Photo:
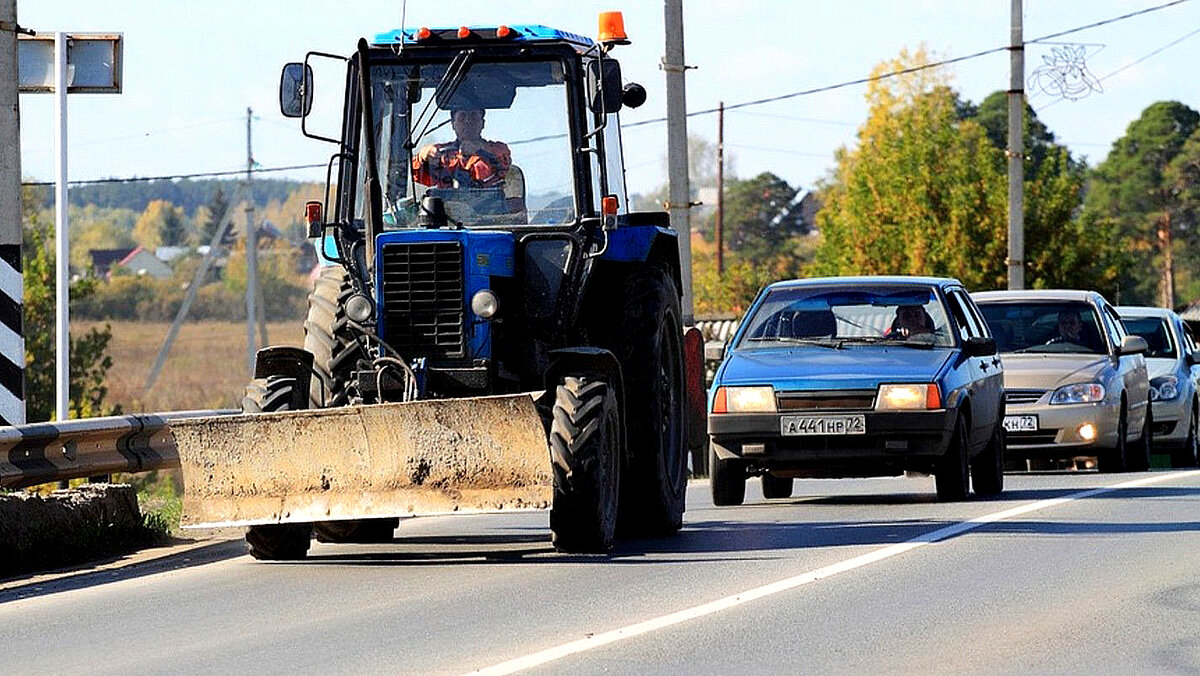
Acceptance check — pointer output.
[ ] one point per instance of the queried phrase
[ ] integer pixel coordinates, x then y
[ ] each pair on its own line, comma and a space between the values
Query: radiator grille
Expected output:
1023, 396
853, 400
423, 299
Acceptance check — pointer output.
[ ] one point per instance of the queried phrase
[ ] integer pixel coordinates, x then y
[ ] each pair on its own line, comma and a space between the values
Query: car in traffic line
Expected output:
1075, 381
1171, 363
858, 377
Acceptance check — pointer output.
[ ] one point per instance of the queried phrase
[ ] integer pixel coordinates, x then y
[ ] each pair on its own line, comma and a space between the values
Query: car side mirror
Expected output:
1192, 358
714, 351
296, 90
1134, 345
981, 347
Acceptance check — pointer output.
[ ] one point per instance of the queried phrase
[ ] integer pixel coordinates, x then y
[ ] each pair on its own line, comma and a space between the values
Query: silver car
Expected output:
1171, 360
1075, 381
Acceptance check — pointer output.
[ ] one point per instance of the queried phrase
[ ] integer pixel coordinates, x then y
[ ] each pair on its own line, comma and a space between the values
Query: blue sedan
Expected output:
858, 377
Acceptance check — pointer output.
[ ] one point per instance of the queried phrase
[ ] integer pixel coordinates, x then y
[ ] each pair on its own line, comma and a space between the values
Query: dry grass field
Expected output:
206, 367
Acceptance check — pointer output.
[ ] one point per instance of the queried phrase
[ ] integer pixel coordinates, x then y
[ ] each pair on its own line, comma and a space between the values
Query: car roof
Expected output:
1037, 294
1144, 311
867, 279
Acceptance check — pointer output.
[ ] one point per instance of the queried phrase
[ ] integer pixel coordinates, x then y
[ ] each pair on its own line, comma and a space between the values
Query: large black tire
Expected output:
1186, 455
585, 434
727, 478
286, 541
647, 338
950, 475
774, 487
987, 468
1111, 460
335, 355
1138, 458
326, 335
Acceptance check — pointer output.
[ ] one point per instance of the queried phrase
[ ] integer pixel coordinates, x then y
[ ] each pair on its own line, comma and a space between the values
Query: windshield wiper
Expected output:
455, 73
820, 342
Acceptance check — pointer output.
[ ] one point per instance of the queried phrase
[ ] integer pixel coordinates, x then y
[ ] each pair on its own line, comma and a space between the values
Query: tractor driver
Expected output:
470, 161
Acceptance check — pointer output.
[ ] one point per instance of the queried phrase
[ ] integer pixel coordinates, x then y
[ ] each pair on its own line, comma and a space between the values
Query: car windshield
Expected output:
490, 139
1049, 327
1156, 332
839, 316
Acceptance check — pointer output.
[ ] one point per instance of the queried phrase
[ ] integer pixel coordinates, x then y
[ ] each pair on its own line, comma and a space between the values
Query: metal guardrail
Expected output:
41, 453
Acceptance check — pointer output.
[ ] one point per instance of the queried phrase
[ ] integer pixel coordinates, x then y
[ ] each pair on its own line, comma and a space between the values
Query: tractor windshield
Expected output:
490, 139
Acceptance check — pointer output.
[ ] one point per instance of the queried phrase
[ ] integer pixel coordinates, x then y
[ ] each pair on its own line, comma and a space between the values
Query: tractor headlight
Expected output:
359, 308
484, 304
1164, 388
1079, 393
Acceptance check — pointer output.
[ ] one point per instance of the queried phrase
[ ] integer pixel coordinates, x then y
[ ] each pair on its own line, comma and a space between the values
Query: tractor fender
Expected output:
651, 244
588, 361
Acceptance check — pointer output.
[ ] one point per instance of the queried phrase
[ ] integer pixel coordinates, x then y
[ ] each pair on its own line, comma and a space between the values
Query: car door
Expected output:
1188, 347
1131, 370
986, 372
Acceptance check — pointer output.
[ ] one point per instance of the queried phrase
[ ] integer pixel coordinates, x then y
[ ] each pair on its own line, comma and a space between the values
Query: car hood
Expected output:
1048, 371
821, 368
1161, 366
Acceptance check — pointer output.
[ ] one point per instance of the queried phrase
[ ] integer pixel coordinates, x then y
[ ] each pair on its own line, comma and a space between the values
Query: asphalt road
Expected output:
1065, 573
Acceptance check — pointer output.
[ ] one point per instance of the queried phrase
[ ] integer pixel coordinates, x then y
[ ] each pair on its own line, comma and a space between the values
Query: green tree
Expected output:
758, 221
919, 194
1130, 194
89, 359
1183, 180
161, 224
218, 204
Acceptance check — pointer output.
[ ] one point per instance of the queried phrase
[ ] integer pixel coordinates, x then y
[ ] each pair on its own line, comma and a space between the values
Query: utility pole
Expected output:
720, 227
251, 253
12, 341
1016, 151
679, 194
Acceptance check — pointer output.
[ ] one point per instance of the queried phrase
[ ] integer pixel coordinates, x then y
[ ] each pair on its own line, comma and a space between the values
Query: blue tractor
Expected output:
477, 240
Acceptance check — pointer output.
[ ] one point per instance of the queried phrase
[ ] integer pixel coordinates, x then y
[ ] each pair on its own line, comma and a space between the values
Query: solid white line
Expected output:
597, 640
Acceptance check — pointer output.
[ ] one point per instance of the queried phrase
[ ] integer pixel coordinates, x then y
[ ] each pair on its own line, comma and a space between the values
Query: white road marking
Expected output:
594, 641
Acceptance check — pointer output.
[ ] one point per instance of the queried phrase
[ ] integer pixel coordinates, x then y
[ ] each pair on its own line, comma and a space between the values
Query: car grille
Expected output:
1023, 396
1031, 438
422, 299
846, 400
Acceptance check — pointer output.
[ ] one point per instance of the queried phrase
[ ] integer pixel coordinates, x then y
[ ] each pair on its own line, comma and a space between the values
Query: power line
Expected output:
914, 69
206, 174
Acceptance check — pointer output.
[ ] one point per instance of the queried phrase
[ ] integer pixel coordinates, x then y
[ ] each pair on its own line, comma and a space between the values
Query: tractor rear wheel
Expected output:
281, 541
585, 433
647, 338
335, 354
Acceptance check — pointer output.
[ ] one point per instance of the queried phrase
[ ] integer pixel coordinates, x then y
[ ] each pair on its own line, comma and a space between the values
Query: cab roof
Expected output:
448, 36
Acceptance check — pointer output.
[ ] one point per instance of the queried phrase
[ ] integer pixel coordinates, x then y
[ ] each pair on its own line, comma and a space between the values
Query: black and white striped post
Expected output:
12, 341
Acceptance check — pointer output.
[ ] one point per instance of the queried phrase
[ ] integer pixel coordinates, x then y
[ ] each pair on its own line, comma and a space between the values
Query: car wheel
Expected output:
1113, 459
951, 476
1187, 455
727, 479
987, 469
1139, 454
774, 487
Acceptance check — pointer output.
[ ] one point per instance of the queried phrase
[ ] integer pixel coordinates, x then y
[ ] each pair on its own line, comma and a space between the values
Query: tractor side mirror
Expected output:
714, 351
604, 89
296, 90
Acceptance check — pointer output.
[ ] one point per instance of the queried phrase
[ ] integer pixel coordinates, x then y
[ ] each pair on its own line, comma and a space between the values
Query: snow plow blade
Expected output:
478, 454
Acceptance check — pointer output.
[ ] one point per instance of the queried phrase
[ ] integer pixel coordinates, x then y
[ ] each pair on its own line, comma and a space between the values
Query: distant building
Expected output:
167, 254
141, 262
103, 259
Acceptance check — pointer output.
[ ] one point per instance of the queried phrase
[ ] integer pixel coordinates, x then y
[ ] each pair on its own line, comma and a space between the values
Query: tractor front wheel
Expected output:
585, 434
277, 541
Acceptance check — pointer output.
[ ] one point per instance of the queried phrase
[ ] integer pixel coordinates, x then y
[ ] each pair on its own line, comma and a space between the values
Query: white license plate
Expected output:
1020, 423
802, 425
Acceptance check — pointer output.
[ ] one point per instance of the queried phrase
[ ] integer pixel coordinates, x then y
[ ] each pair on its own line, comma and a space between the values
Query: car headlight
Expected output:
908, 397
757, 399
1079, 393
1164, 388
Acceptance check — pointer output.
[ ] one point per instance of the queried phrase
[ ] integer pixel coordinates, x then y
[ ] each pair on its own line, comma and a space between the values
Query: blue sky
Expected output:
192, 68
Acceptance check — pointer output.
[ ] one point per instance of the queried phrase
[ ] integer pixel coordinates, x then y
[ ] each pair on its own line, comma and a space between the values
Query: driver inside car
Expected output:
910, 320
470, 161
